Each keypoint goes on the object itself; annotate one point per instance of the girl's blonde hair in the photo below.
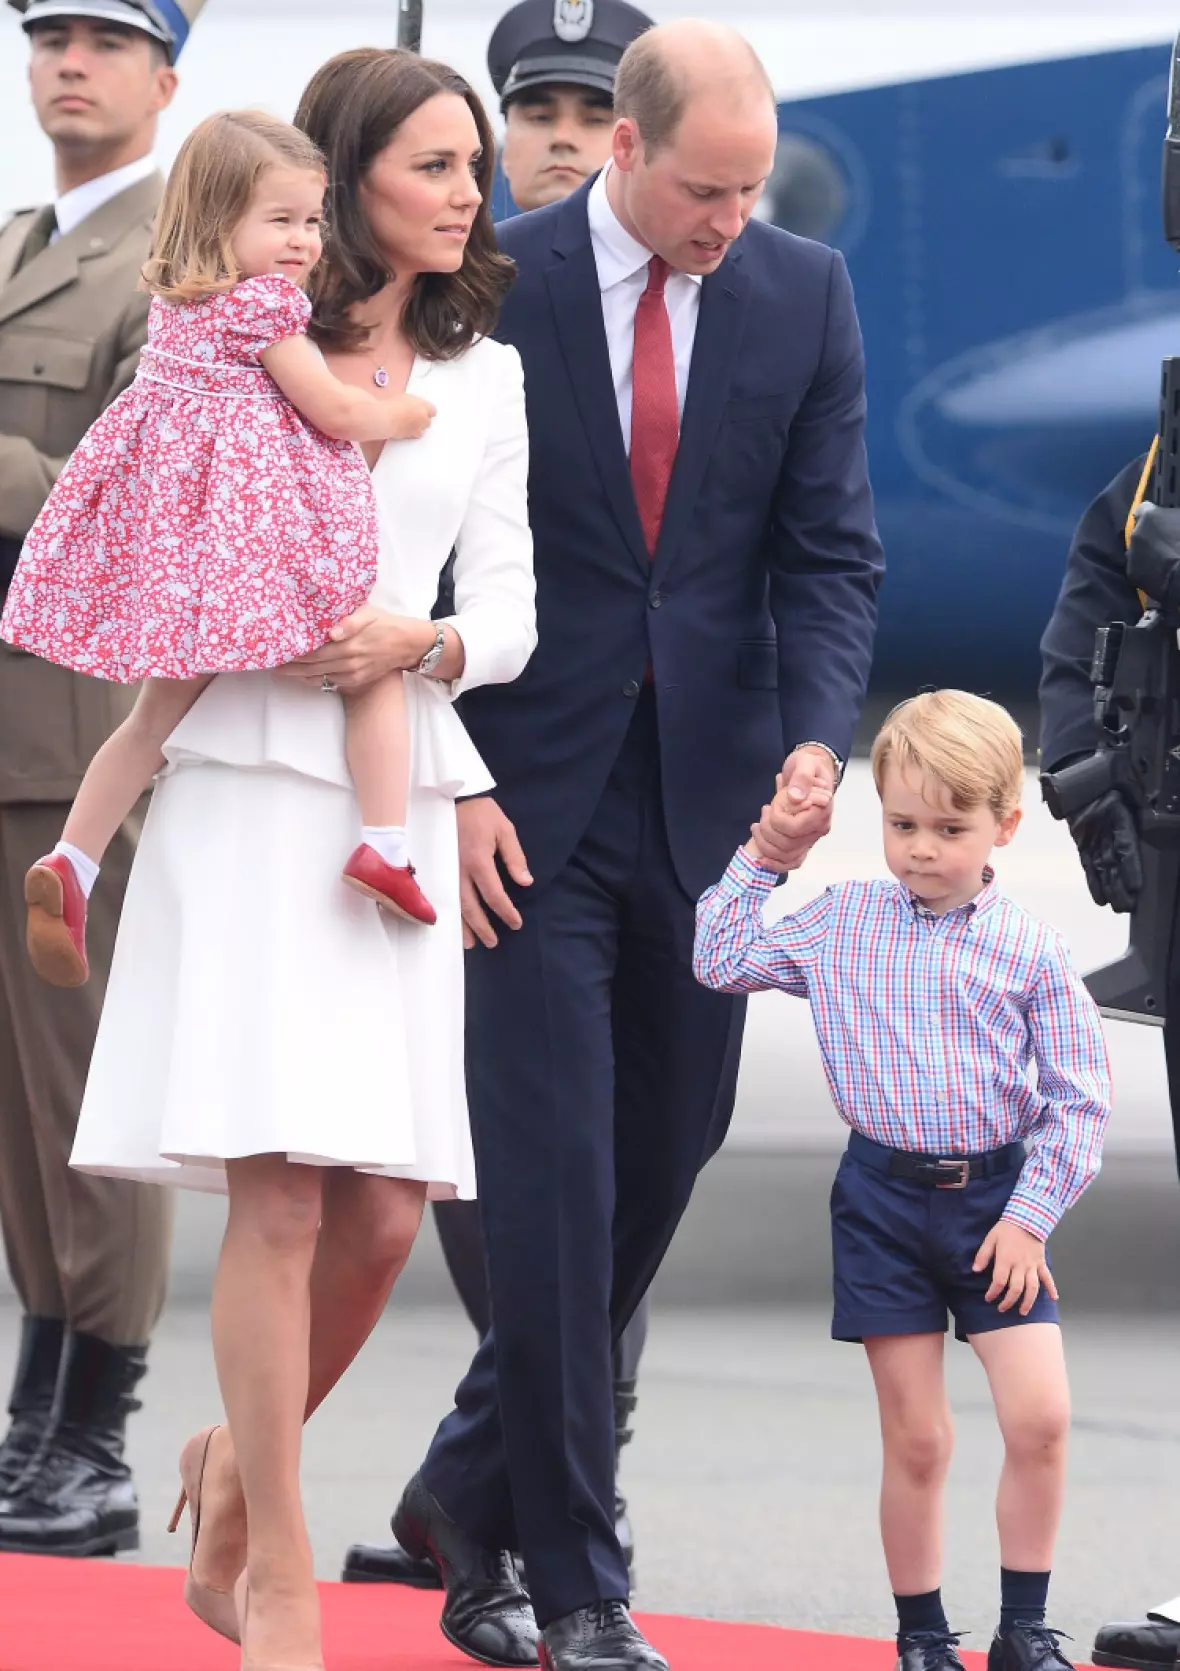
(970, 745)
(209, 189)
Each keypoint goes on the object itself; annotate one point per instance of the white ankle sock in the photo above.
(390, 841)
(85, 868)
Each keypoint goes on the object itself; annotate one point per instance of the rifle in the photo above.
(409, 25)
(1136, 677)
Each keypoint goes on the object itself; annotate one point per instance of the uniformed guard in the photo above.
(553, 63)
(1118, 561)
(1097, 590)
(88, 1256)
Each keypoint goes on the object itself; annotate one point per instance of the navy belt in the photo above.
(936, 1171)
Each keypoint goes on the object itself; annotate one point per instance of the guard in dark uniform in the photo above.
(553, 63)
(1097, 590)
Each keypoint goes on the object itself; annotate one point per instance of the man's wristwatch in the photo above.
(435, 653)
(835, 758)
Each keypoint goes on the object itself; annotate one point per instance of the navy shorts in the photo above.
(902, 1251)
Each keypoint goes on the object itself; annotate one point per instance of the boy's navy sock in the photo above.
(918, 1613)
(1023, 1596)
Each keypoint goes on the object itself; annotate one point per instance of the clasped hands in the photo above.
(799, 814)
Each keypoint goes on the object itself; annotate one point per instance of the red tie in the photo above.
(655, 411)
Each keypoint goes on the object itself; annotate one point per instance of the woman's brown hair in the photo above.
(351, 109)
(208, 191)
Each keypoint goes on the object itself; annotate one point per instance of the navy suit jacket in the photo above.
(758, 612)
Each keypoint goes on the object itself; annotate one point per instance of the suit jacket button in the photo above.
(39, 369)
(656, 599)
(631, 688)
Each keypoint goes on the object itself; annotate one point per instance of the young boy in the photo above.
(933, 997)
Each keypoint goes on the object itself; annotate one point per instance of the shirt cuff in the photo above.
(1033, 1213)
(745, 873)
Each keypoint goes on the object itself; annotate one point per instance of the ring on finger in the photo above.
(326, 684)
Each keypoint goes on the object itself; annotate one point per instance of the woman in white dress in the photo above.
(266, 1030)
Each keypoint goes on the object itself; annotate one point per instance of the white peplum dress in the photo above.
(256, 1004)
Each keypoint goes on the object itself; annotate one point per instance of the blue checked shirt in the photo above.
(929, 1025)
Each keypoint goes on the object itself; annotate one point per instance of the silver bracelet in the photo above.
(830, 752)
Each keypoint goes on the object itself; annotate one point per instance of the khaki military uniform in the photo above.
(92, 1251)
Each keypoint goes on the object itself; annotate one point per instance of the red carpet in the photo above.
(102, 1616)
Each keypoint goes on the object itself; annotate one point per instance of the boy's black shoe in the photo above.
(1028, 1648)
(930, 1650)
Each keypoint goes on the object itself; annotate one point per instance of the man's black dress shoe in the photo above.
(1027, 1648)
(374, 1563)
(930, 1650)
(1150, 1644)
(487, 1614)
(598, 1638)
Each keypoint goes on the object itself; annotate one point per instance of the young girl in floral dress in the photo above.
(218, 517)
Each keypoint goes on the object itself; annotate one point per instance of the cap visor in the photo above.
(554, 73)
(107, 11)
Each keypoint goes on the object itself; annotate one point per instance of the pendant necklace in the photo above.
(380, 375)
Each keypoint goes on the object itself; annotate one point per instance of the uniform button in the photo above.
(631, 688)
(656, 599)
(39, 369)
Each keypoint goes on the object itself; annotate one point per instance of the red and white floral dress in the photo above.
(202, 525)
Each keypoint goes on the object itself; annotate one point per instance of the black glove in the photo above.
(1153, 557)
(1108, 842)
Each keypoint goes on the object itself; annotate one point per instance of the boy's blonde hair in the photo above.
(970, 745)
(209, 189)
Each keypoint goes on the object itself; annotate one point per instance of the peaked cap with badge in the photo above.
(575, 43)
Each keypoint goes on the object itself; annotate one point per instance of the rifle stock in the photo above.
(1135, 986)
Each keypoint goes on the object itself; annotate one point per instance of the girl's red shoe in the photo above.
(392, 886)
(56, 932)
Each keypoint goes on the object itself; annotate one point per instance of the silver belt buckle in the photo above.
(963, 1168)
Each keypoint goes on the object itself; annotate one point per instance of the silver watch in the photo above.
(435, 653)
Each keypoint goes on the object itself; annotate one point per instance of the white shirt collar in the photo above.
(73, 207)
(617, 254)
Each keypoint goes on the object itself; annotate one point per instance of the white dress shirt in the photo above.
(622, 278)
(72, 207)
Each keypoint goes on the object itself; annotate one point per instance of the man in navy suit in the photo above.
(707, 570)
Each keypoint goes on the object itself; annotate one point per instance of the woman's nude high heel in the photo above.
(214, 1608)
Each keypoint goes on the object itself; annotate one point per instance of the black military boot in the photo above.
(30, 1404)
(80, 1499)
(625, 1402)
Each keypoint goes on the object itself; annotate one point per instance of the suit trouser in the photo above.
(91, 1251)
(600, 1077)
(460, 1235)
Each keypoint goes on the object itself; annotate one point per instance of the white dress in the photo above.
(256, 1004)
